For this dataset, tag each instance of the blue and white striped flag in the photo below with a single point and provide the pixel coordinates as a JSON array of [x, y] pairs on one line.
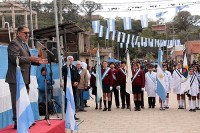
[[145, 43], [111, 24], [113, 35], [121, 45], [107, 34], [136, 40], [144, 21], [142, 41], [132, 41], [101, 31], [119, 37], [179, 8], [124, 36], [160, 77], [160, 14], [24, 111], [70, 122], [127, 23], [128, 41], [95, 26], [98, 78], [178, 42], [138, 44], [152, 42]]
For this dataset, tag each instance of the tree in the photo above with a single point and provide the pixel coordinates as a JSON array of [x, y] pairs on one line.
[[183, 24], [89, 7]]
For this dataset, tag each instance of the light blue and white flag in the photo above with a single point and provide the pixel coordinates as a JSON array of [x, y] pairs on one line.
[[124, 36], [121, 45], [101, 31], [128, 74], [142, 41], [96, 26], [179, 8], [132, 41], [136, 40], [152, 42], [145, 43], [160, 14], [160, 77], [107, 34], [144, 21], [70, 122], [24, 111], [98, 78], [119, 36], [111, 24], [128, 40], [113, 35], [127, 23], [138, 44], [178, 42]]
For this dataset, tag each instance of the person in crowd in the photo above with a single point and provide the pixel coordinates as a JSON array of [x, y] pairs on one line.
[[94, 87], [18, 47], [41, 79], [138, 83], [193, 91], [150, 86], [168, 80], [82, 85], [107, 84], [197, 75], [75, 77], [121, 79], [115, 85], [176, 82], [84, 66]]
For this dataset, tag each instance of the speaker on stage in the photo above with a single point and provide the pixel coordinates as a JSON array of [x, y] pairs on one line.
[[52, 46]]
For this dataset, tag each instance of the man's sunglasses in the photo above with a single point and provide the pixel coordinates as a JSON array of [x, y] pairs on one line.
[[26, 33]]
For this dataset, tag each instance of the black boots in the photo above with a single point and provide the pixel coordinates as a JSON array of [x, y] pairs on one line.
[[137, 105]]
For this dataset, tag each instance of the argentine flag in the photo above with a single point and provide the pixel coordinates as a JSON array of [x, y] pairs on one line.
[[101, 31], [95, 26], [144, 21], [160, 77], [127, 23], [179, 8], [111, 24], [98, 78], [70, 122], [25, 116], [119, 36], [160, 14]]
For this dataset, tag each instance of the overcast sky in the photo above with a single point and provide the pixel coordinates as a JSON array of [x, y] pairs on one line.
[[123, 6]]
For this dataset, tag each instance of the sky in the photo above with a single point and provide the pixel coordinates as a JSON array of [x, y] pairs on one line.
[[124, 5]]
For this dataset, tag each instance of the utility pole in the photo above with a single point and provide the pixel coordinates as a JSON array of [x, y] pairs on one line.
[[31, 21]]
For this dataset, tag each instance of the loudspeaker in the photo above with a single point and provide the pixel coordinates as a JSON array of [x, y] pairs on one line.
[[52, 46]]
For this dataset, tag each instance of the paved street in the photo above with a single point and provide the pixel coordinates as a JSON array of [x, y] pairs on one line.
[[145, 121]]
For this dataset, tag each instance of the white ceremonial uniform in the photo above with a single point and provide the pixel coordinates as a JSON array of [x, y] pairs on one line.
[[194, 85], [150, 84], [168, 80], [176, 81]]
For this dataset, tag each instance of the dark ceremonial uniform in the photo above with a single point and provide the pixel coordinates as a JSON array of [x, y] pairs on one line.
[[139, 81], [107, 81], [121, 80], [93, 83], [116, 92]]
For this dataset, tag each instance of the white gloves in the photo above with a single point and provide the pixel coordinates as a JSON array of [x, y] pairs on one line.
[[91, 88], [142, 89], [118, 87], [111, 88]]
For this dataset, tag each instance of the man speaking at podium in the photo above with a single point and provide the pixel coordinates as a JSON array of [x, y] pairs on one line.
[[18, 48]]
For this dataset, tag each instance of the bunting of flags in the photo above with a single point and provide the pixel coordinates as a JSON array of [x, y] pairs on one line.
[[160, 14], [179, 8], [111, 25], [144, 21]]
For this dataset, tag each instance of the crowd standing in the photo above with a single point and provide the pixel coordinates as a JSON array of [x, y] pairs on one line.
[[144, 80]]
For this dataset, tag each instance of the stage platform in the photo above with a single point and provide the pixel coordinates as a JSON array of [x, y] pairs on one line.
[[57, 126]]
